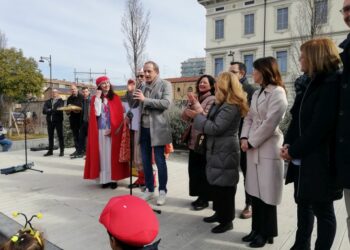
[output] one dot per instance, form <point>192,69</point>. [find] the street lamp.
<point>232,53</point>
<point>42,59</point>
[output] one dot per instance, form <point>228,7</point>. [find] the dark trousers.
<point>51,126</point>
<point>198,183</point>
<point>224,202</point>
<point>326,224</point>
<point>83,131</point>
<point>264,218</point>
<point>146,151</point>
<point>75,127</point>
<point>243,163</point>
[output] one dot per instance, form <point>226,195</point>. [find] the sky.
<point>86,34</point>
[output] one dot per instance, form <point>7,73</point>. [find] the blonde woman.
<point>310,144</point>
<point>222,147</point>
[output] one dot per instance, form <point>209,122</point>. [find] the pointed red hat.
<point>130,220</point>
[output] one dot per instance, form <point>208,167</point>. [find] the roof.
<point>183,79</point>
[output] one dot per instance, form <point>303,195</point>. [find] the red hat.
<point>101,79</point>
<point>130,220</point>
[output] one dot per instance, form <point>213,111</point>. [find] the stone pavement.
<point>71,207</point>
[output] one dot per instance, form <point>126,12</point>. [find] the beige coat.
<point>264,177</point>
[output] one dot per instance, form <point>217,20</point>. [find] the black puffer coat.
<point>315,142</point>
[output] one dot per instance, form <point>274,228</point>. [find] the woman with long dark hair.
<point>261,138</point>
<point>198,184</point>
<point>309,144</point>
<point>104,137</point>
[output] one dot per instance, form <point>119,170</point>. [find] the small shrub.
<point>177,125</point>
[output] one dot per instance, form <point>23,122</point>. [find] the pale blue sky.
<point>86,34</point>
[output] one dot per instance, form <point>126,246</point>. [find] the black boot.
<point>260,241</point>
<point>61,153</point>
<point>250,237</point>
<point>222,228</point>
<point>211,219</point>
<point>49,153</point>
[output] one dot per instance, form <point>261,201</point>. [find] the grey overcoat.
<point>223,151</point>
<point>265,168</point>
<point>158,103</point>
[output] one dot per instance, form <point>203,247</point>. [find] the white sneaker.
<point>161,198</point>
<point>147,195</point>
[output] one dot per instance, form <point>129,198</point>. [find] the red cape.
<point>92,162</point>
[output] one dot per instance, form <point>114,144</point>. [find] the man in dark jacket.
<point>239,69</point>
<point>343,135</point>
<point>75,116</point>
<point>84,123</point>
<point>54,119</point>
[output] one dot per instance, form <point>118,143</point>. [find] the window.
<point>321,11</point>
<point>248,24</point>
<point>248,61</point>
<point>219,8</point>
<point>219,65</point>
<point>282,60</point>
<point>190,89</point>
<point>178,89</point>
<point>219,29</point>
<point>282,19</point>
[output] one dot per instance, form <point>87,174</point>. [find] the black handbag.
<point>200,145</point>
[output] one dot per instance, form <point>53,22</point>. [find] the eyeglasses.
<point>234,72</point>
<point>345,9</point>
<point>140,76</point>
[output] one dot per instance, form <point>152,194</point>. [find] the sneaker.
<point>161,198</point>
<point>147,195</point>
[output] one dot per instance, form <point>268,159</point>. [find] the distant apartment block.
<point>193,67</point>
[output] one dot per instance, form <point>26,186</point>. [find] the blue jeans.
<point>6,144</point>
<point>146,151</point>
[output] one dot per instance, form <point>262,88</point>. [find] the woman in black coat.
<point>309,144</point>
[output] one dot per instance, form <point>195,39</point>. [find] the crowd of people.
<point>231,124</point>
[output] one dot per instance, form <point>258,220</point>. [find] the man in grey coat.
<point>155,98</point>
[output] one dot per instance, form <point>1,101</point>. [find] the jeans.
<point>347,204</point>
<point>6,144</point>
<point>146,151</point>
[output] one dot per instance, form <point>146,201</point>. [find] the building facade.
<point>245,30</point>
<point>181,86</point>
<point>193,67</point>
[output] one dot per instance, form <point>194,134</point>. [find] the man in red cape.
<point>92,164</point>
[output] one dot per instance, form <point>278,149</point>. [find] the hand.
<point>190,113</point>
<point>108,132</point>
<point>98,93</point>
<point>191,97</point>
<point>138,95</point>
<point>284,154</point>
<point>244,145</point>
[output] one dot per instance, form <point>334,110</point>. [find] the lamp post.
<point>42,59</point>
<point>232,53</point>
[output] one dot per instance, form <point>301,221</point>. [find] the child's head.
<point>130,222</point>
<point>25,240</point>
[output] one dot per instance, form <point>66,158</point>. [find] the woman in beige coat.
<point>261,138</point>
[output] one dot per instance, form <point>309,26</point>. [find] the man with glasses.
<point>343,135</point>
<point>239,69</point>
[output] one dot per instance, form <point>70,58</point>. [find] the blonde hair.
<point>229,90</point>
<point>321,55</point>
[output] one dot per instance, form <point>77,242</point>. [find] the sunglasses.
<point>345,9</point>
<point>141,76</point>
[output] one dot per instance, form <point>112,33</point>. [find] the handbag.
<point>200,145</point>
<point>185,137</point>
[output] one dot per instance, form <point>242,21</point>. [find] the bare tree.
<point>135,26</point>
<point>3,40</point>
<point>309,23</point>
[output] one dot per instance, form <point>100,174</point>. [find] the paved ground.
<point>71,207</point>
